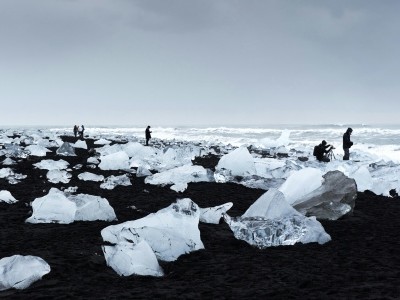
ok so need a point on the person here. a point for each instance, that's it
(81, 131)
(148, 135)
(347, 143)
(321, 150)
(75, 130)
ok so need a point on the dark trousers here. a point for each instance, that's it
(147, 141)
(346, 155)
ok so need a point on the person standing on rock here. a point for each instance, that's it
(148, 135)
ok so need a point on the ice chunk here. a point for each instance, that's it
(300, 183)
(175, 157)
(66, 149)
(5, 196)
(224, 176)
(112, 181)
(127, 259)
(179, 187)
(257, 182)
(333, 199)
(239, 162)
(286, 170)
(271, 205)
(13, 150)
(138, 150)
(107, 149)
(13, 178)
(57, 176)
(37, 150)
(93, 160)
(264, 166)
(167, 244)
(92, 208)
(20, 272)
(64, 208)
(283, 140)
(8, 162)
(143, 172)
(363, 179)
(180, 177)
(115, 161)
(55, 207)
(49, 164)
(170, 232)
(102, 142)
(87, 176)
(80, 144)
(70, 190)
(271, 221)
(212, 215)
(6, 172)
(262, 232)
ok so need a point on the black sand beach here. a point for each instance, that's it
(361, 262)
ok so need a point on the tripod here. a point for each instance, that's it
(330, 154)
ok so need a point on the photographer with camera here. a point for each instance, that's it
(321, 151)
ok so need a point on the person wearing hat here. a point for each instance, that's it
(321, 150)
(148, 135)
(347, 143)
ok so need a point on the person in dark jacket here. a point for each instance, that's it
(148, 135)
(347, 143)
(82, 129)
(75, 130)
(321, 150)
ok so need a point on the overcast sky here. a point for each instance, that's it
(199, 62)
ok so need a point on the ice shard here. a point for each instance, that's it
(264, 233)
(5, 196)
(112, 181)
(333, 199)
(212, 215)
(238, 162)
(66, 149)
(13, 150)
(20, 272)
(271, 221)
(127, 259)
(170, 232)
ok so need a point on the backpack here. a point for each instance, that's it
(315, 152)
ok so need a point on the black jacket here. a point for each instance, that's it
(320, 151)
(148, 135)
(346, 140)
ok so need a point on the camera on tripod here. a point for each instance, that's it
(330, 153)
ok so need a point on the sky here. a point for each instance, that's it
(199, 62)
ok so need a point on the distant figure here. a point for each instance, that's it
(321, 150)
(148, 135)
(81, 131)
(347, 143)
(75, 130)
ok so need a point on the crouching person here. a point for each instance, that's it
(320, 151)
